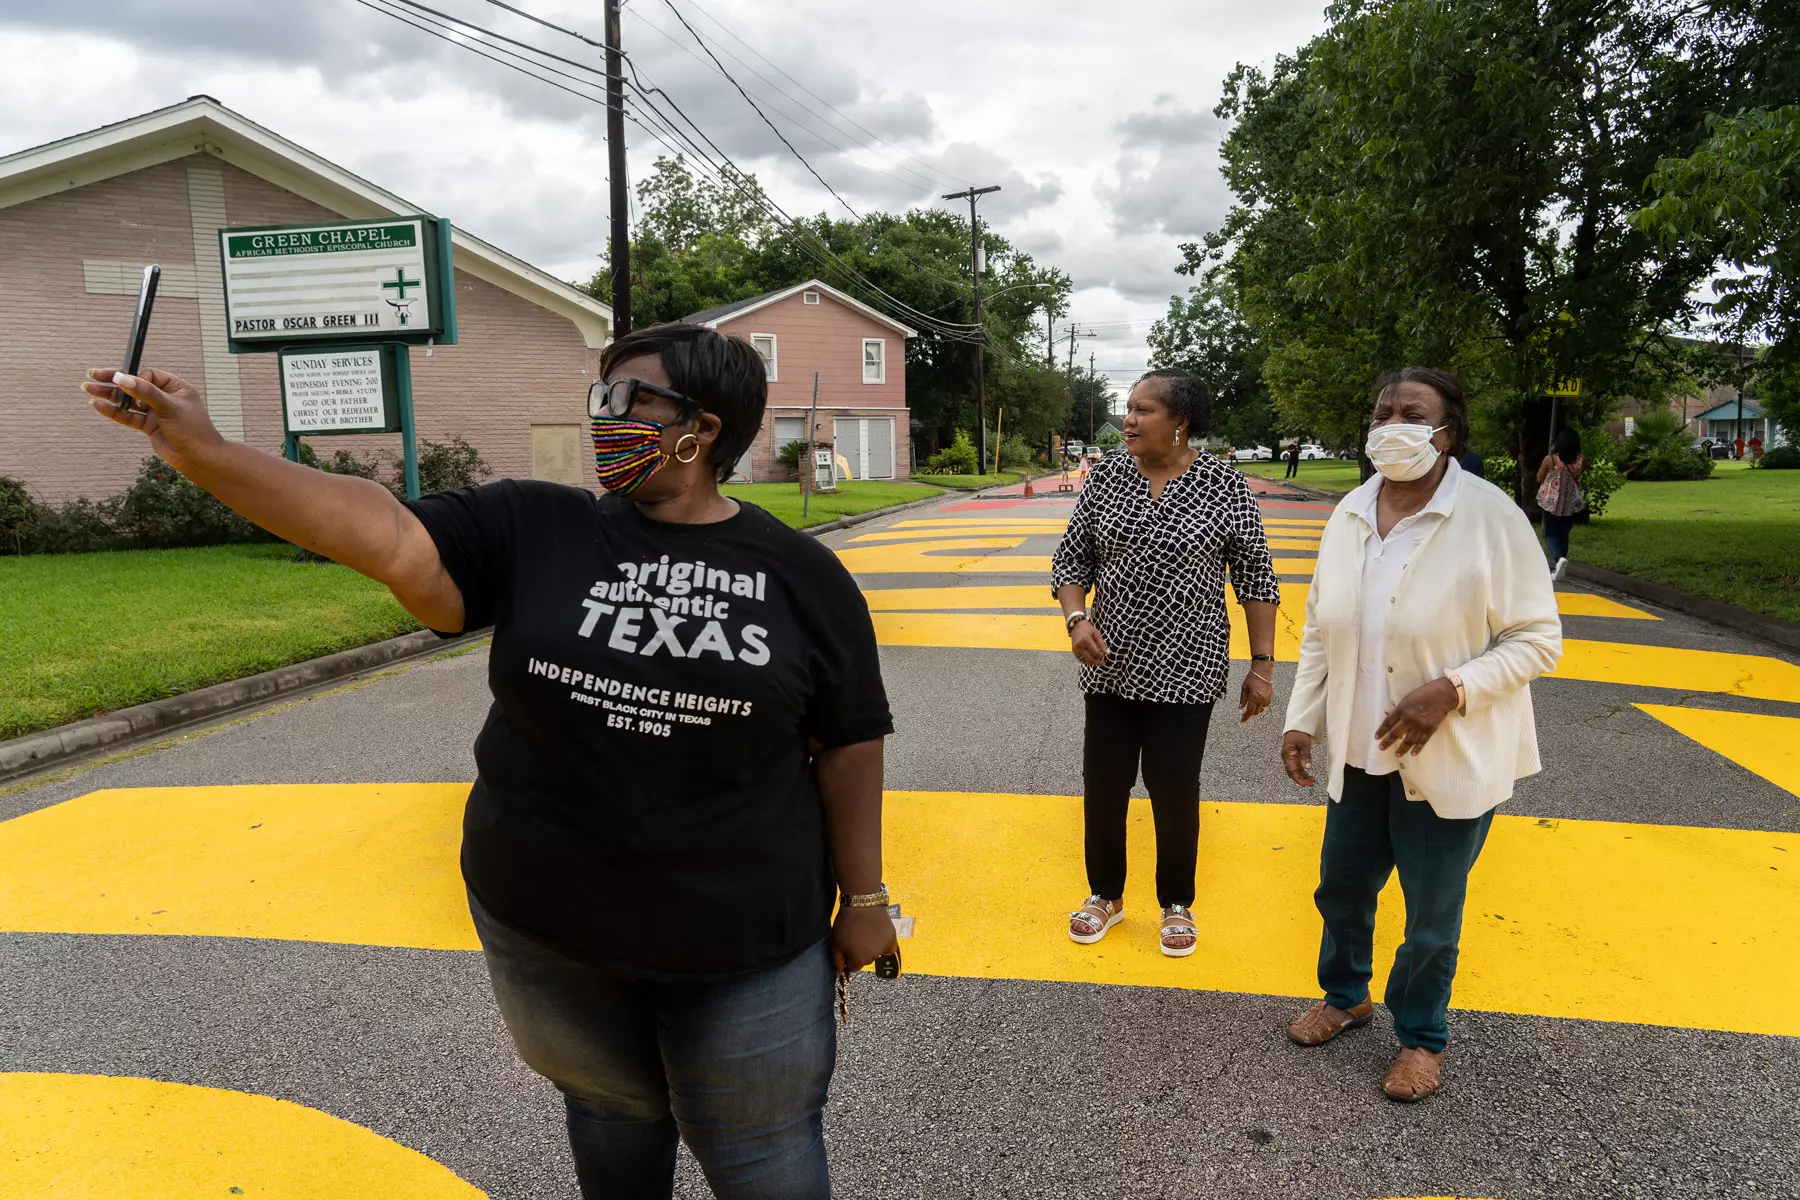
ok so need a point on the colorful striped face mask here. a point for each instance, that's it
(627, 451)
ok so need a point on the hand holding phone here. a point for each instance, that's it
(140, 329)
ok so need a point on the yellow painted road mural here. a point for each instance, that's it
(1556, 926)
(102, 1137)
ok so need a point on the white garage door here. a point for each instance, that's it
(867, 443)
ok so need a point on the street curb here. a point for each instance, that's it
(1785, 634)
(872, 514)
(37, 751)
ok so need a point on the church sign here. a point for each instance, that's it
(379, 280)
(340, 389)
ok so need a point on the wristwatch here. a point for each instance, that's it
(1079, 614)
(1462, 696)
(878, 899)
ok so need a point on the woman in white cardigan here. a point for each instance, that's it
(1430, 614)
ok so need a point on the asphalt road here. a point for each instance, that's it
(965, 1084)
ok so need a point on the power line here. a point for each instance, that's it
(759, 112)
(917, 182)
(730, 174)
(938, 171)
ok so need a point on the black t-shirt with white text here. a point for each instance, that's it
(645, 798)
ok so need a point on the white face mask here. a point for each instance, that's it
(1402, 452)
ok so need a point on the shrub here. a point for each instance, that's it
(1673, 460)
(1502, 471)
(1599, 480)
(78, 527)
(1782, 458)
(161, 510)
(958, 458)
(19, 516)
(444, 467)
(1014, 452)
(789, 455)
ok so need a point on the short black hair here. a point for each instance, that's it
(1456, 409)
(724, 375)
(1186, 398)
(1568, 445)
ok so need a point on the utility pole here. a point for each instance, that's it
(619, 249)
(975, 265)
(1091, 390)
(1050, 339)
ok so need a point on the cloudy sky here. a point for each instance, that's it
(1094, 118)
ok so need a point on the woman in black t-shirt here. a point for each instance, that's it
(681, 770)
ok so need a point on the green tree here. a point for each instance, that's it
(1449, 182)
(1738, 196)
(1205, 334)
(1090, 402)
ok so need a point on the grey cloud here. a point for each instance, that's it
(1168, 176)
(1173, 127)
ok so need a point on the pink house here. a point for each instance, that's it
(860, 358)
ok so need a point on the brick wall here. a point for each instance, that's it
(516, 365)
(825, 337)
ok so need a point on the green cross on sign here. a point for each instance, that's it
(399, 283)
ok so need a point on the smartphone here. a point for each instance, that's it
(140, 328)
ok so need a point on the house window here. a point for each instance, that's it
(765, 346)
(874, 360)
(809, 297)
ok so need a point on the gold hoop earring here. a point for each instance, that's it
(695, 448)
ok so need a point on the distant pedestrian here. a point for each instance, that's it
(1738, 446)
(1293, 460)
(1153, 534)
(1428, 617)
(1756, 448)
(1472, 464)
(653, 882)
(1560, 499)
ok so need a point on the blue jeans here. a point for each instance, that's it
(1369, 833)
(1556, 535)
(738, 1069)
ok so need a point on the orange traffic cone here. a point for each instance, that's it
(1029, 490)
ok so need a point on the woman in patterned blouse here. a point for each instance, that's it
(1154, 531)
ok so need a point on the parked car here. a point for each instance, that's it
(1253, 454)
(1312, 450)
(1346, 455)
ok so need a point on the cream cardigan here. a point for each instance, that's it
(1476, 598)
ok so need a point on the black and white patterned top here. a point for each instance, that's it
(1157, 569)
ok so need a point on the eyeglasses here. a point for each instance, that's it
(615, 399)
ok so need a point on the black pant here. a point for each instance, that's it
(1293, 468)
(1170, 739)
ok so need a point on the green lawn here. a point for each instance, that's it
(1324, 474)
(1734, 537)
(850, 498)
(970, 483)
(92, 633)
(83, 634)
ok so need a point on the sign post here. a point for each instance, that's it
(342, 303)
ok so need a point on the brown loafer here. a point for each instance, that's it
(1320, 1023)
(1414, 1075)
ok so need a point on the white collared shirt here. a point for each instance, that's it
(1383, 561)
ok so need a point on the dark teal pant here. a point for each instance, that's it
(1370, 832)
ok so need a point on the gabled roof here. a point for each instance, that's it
(201, 124)
(710, 317)
(1728, 411)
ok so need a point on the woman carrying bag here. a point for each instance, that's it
(1559, 496)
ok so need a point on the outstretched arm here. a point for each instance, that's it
(352, 521)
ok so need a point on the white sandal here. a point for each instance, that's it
(1178, 921)
(1096, 916)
